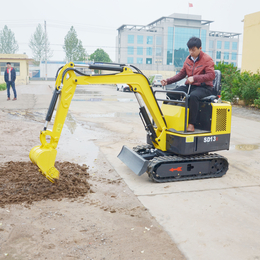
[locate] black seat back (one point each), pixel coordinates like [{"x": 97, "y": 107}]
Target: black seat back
[
  {"x": 217, "y": 83},
  {"x": 216, "y": 91}
]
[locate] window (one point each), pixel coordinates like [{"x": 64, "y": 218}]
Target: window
[
  {"x": 149, "y": 40},
  {"x": 158, "y": 40},
  {"x": 148, "y": 61},
  {"x": 211, "y": 54},
  {"x": 226, "y": 56},
  {"x": 139, "y": 50},
  {"x": 219, "y": 44},
  {"x": 226, "y": 63},
  {"x": 158, "y": 51},
  {"x": 130, "y": 50},
  {"x": 234, "y": 46},
  {"x": 181, "y": 37},
  {"x": 149, "y": 51},
  {"x": 15, "y": 65},
  {"x": 140, "y": 39},
  {"x": 131, "y": 38},
  {"x": 140, "y": 60},
  {"x": 234, "y": 64},
  {"x": 203, "y": 39},
  {"x": 170, "y": 46},
  {"x": 234, "y": 56},
  {"x": 130, "y": 60},
  {"x": 211, "y": 44},
  {"x": 227, "y": 44},
  {"x": 218, "y": 55},
  {"x": 3, "y": 68}
]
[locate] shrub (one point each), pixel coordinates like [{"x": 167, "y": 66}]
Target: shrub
[
  {"x": 250, "y": 85},
  {"x": 3, "y": 86},
  {"x": 257, "y": 101},
  {"x": 230, "y": 75},
  {"x": 235, "y": 85}
]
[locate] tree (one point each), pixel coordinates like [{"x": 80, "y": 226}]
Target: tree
[
  {"x": 73, "y": 47},
  {"x": 8, "y": 44},
  {"x": 37, "y": 45},
  {"x": 100, "y": 56},
  {"x": 81, "y": 52}
]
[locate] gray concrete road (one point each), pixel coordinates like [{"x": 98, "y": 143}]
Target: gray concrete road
[{"x": 207, "y": 219}]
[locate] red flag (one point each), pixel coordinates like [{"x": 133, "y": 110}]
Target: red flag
[{"x": 190, "y": 5}]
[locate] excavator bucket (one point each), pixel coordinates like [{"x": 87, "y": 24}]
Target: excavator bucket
[
  {"x": 44, "y": 158},
  {"x": 133, "y": 160}
]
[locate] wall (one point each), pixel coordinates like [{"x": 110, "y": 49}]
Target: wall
[{"x": 251, "y": 39}]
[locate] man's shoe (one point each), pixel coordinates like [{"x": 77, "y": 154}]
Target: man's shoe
[
  {"x": 14, "y": 99},
  {"x": 190, "y": 128},
  {"x": 8, "y": 99}
]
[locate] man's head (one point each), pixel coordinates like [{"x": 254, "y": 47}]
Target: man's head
[
  {"x": 8, "y": 64},
  {"x": 194, "y": 45}
]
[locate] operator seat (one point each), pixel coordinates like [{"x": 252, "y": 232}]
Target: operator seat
[{"x": 216, "y": 88}]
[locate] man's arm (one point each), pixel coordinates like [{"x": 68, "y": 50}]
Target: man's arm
[{"x": 181, "y": 75}]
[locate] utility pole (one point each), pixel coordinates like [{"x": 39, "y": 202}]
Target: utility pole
[{"x": 45, "y": 50}]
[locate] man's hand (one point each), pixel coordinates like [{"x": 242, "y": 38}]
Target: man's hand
[
  {"x": 164, "y": 82},
  {"x": 190, "y": 80}
]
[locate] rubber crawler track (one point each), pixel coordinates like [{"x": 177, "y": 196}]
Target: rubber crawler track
[{"x": 157, "y": 161}]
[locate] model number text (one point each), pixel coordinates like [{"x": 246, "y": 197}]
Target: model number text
[{"x": 210, "y": 139}]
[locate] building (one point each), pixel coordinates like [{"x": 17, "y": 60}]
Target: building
[
  {"x": 20, "y": 62},
  {"x": 251, "y": 39},
  {"x": 161, "y": 45}
]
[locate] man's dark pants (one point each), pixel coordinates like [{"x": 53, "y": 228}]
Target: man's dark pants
[
  {"x": 196, "y": 93},
  {"x": 8, "y": 84}
]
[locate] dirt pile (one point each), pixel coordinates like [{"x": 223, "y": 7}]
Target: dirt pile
[{"x": 21, "y": 182}]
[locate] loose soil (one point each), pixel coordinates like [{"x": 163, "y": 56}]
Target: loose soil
[
  {"x": 16, "y": 189},
  {"x": 87, "y": 214}
]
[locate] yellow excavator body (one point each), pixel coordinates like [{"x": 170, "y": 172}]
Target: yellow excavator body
[{"x": 167, "y": 135}]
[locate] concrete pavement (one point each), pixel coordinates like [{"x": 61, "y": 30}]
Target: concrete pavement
[
  {"x": 36, "y": 95},
  {"x": 207, "y": 219}
]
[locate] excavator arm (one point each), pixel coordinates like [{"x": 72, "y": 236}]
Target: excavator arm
[{"x": 66, "y": 82}]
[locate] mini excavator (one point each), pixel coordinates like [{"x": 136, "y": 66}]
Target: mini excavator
[{"x": 171, "y": 153}]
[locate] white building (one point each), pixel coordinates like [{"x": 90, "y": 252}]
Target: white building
[{"x": 161, "y": 45}]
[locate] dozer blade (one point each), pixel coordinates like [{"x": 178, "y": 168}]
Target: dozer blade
[
  {"x": 44, "y": 158},
  {"x": 133, "y": 160}
]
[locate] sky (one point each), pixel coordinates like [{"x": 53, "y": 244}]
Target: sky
[{"x": 96, "y": 22}]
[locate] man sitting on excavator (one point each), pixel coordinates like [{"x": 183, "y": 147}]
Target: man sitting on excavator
[{"x": 199, "y": 68}]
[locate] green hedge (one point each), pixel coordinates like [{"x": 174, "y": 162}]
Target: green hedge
[
  {"x": 239, "y": 85},
  {"x": 3, "y": 86}
]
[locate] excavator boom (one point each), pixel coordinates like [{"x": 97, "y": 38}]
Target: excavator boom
[{"x": 66, "y": 82}]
